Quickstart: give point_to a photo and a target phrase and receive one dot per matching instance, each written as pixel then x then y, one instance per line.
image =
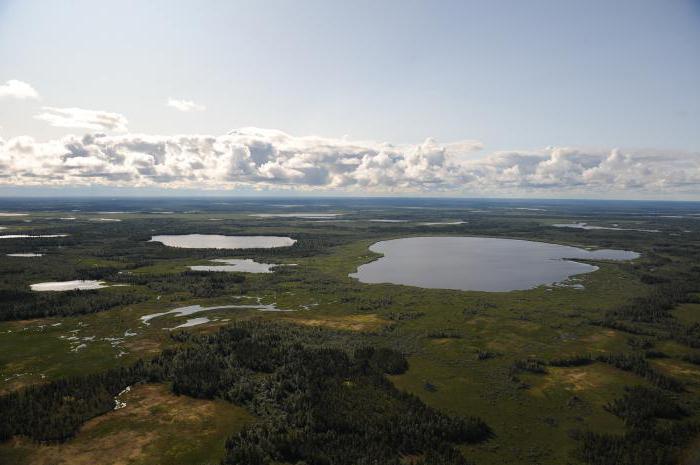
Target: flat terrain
pixel 463 347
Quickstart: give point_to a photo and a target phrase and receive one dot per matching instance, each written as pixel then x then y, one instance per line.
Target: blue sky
pixel 526 77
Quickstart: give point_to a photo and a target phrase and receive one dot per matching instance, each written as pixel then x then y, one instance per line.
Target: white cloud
pixel 84 119
pixel 185 105
pixel 264 158
pixel 18 89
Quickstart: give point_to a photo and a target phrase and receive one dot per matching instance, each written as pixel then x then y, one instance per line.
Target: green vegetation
pixel 604 375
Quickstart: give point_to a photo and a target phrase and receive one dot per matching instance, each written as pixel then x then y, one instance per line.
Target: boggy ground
pixel 461 346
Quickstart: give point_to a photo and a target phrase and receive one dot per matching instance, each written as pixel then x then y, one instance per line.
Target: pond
pixel 446 223
pixel 192 309
pixel 478 263
pixel 217 241
pixel 237 265
pixel 30 236
pixel 78 284
pixel 193 322
pixel 308 216
pixel 593 228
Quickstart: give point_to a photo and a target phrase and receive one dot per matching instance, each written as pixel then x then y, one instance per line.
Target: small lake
pixel 594 228
pixel 478 263
pixel 30 236
pixel 308 216
pixel 446 223
pixel 192 309
pixel 236 265
pixel 68 285
pixel 217 241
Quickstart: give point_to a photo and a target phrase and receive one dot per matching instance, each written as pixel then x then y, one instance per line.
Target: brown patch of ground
pixel 601 341
pixel 600 336
pixel 350 322
pixel 676 368
pixel 120 448
pixel 155 427
pixel 160 404
pixel 579 379
pixel 575 379
pixel 143 346
pixel 19 383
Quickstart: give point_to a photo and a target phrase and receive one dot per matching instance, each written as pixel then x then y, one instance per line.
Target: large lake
pixel 216 241
pixel 478 263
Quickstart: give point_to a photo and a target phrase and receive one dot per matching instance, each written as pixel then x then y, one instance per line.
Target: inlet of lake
pixel 217 241
pixel 478 263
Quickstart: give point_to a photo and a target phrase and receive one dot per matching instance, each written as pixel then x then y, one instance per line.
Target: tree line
pixel 646 441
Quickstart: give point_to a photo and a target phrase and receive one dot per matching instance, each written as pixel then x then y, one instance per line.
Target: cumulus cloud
pixel 85 119
pixel 264 158
pixel 185 105
pixel 18 89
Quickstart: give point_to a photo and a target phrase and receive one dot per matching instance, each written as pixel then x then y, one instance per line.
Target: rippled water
pixel 478 263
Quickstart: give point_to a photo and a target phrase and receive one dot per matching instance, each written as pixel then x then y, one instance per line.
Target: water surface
pixel 236 265
pixel 192 309
pixel 478 263
pixel 217 241
pixel 193 322
pixel 30 236
pixel 310 216
pixel 445 223
pixel 593 228
pixel 78 284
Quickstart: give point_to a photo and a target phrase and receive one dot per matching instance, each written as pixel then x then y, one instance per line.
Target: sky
pixel 557 98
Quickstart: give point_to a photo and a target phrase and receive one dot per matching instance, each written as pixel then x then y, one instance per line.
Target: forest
pixel 317 404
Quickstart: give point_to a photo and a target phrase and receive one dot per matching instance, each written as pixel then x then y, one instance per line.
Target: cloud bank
pixel 18 89
pixel 270 159
pixel 84 119
pixel 185 105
